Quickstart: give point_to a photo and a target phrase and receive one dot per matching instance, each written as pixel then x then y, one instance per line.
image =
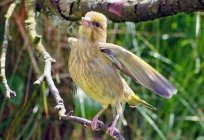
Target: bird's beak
pixel 86 22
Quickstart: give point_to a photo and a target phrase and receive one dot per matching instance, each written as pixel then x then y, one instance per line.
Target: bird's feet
pixel 111 130
pixel 95 124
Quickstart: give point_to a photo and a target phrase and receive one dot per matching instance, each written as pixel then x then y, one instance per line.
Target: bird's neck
pixel 92 36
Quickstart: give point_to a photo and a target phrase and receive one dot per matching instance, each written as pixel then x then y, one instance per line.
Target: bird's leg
pixel 112 128
pixel 95 121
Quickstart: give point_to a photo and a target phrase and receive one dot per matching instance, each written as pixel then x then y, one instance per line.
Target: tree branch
pixel 9 92
pixel 40 50
pixel 85 122
pixel 131 10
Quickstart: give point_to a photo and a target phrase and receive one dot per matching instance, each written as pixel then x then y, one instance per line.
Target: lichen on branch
pixel 41 51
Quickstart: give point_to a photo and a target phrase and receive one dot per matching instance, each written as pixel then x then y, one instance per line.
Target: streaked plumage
pixel 95 65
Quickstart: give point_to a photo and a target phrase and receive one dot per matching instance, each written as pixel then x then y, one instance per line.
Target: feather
pixel 139 70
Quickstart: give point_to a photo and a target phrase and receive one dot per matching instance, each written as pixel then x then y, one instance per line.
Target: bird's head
pixel 94 26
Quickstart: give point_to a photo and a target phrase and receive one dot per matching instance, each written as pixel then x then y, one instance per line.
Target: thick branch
pixel 85 122
pixel 131 10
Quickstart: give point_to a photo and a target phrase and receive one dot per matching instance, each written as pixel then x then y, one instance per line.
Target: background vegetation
pixel 172 45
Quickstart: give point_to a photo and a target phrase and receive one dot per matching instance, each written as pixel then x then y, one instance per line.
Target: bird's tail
pixel 136 100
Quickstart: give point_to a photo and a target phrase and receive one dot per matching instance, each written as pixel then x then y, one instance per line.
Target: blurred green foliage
pixel 172 45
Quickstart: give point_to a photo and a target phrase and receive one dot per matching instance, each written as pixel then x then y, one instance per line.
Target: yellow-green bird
pixel 95 66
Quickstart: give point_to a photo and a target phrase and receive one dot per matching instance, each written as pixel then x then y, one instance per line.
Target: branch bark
pixel 41 51
pixel 131 10
pixel 85 122
pixel 9 92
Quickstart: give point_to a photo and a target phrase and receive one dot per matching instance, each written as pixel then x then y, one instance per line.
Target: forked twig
pixel 9 92
pixel 40 50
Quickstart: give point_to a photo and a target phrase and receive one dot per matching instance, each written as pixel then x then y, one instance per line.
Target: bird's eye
pixel 96 24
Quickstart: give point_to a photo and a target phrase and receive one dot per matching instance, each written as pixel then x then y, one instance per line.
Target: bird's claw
pixel 95 124
pixel 111 131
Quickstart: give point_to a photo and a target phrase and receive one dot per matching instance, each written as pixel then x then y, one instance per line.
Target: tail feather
pixel 136 100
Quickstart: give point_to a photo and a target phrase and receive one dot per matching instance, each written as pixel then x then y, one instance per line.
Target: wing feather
pixel 138 70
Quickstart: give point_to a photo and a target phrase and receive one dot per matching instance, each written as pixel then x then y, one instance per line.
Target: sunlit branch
pixel 9 92
pixel 40 50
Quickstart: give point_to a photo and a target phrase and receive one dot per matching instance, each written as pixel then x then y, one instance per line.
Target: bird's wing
pixel 138 69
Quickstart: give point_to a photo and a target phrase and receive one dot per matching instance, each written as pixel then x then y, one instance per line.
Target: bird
pixel 96 67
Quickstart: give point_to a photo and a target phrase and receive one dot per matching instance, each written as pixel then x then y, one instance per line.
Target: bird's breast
pixel 96 76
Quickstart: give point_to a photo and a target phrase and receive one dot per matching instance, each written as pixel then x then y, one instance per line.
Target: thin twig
pixel 28 48
pixel 9 92
pixel 85 122
pixel 40 50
